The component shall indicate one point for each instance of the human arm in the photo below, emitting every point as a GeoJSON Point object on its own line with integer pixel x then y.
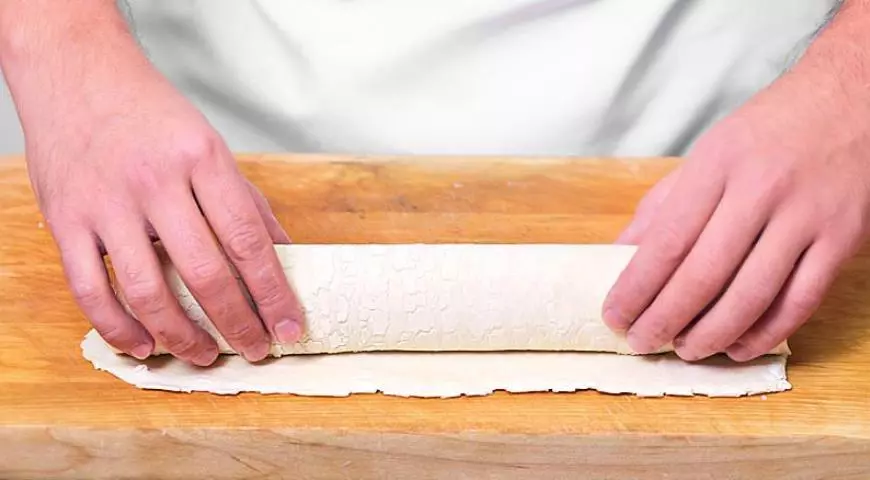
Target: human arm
{"type": "Point", "coordinates": [737, 248]}
{"type": "Point", "coordinates": [117, 158]}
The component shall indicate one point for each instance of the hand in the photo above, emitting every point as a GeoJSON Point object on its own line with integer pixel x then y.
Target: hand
{"type": "Point", "coordinates": [133, 159]}
{"type": "Point", "coordinates": [737, 247]}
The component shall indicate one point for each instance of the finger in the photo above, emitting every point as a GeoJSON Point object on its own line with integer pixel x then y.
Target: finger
{"type": "Point", "coordinates": [647, 208]}
{"type": "Point", "coordinates": [753, 289]}
{"type": "Point", "coordinates": [276, 231]}
{"type": "Point", "coordinates": [233, 215]}
{"type": "Point", "coordinates": [706, 270]}
{"type": "Point", "coordinates": [206, 272]}
{"type": "Point", "coordinates": [89, 282]}
{"type": "Point", "coordinates": [801, 295]}
{"type": "Point", "coordinates": [673, 232]}
{"type": "Point", "coordinates": [143, 288]}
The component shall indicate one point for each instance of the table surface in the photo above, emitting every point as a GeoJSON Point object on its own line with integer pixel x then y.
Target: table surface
{"type": "Point", "coordinates": [61, 418]}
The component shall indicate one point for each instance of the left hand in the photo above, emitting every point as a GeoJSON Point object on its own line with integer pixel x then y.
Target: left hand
{"type": "Point", "coordinates": [738, 246]}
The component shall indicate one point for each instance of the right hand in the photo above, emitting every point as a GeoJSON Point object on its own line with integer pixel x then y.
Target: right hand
{"type": "Point", "coordinates": [126, 158]}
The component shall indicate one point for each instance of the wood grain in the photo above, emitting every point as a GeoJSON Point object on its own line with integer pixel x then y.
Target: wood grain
{"type": "Point", "coordinates": [61, 419]}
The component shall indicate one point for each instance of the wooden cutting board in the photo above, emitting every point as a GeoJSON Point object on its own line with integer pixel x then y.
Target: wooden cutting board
{"type": "Point", "coordinates": [61, 419]}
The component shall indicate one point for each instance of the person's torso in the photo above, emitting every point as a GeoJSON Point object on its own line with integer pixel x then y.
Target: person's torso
{"type": "Point", "coordinates": [514, 77]}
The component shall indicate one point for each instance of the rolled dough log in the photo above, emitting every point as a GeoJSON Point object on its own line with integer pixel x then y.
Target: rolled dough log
{"type": "Point", "coordinates": [445, 297]}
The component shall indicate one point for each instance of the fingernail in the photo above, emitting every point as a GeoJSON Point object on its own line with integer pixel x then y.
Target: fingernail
{"type": "Point", "coordinates": [637, 343]}
{"type": "Point", "coordinates": [684, 353]}
{"type": "Point", "coordinates": [258, 351]}
{"type": "Point", "coordinates": [688, 356]}
{"type": "Point", "coordinates": [615, 318]}
{"type": "Point", "coordinates": [206, 357]}
{"type": "Point", "coordinates": [738, 352]}
{"type": "Point", "coordinates": [141, 351]}
{"type": "Point", "coordinates": [288, 331]}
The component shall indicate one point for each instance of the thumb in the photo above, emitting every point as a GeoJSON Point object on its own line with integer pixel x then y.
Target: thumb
{"type": "Point", "coordinates": [647, 209]}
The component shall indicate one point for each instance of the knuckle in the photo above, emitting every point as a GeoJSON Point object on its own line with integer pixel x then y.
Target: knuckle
{"type": "Point", "coordinates": [707, 285]}
{"type": "Point", "coordinates": [178, 343]}
{"type": "Point", "coordinates": [807, 299]}
{"type": "Point", "coordinates": [779, 179]}
{"type": "Point", "coordinates": [145, 297]}
{"type": "Point", "coordinates": [208, 277]}
{"type": "Point", "coordinates": [242, 333]}
{"type": "Point", "coordinates": [197, 146]}
{"type": "Point", "coordinates": [245, 242]}
{"type": "Point", "coordinates": [754, 298]}
{"type": "Point", "coordinates": [271, 293]}
{"type": "Point", "coordinates": [117, 336]}
{"type": "Point", "coordinates": [185, 347]}
{"type": "Point", "coordinates": [672, 244]}
{"type": "Point", "coordinates": [144, 175]}
{"type": "Point", "coordinates": [88, 294]}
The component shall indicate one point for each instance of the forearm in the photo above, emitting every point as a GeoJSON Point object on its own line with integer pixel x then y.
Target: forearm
{"type": "Point", "coordinates": [51, 50]}
{"type": "Point", "coordinates": [835, 69]}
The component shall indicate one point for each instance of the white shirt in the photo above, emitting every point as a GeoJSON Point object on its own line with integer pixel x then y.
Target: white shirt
{"type": "Point", "coordinates": [512, 77]}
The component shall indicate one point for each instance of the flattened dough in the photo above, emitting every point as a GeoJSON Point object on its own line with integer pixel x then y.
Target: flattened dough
{"type": "Point", "coordinates": [449, 374]}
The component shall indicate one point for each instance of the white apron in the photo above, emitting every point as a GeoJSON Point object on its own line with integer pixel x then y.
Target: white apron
{"type": "Point", "coordinates": [514, 77]}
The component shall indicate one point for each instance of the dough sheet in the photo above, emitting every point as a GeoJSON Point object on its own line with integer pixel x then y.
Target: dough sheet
{"type": "Point", "coordinates": [448, 374]}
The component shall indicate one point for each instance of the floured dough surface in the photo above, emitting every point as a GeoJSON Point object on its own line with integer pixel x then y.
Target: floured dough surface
{"type": "Point", "coordinates": [446, 297]}
{"type": "Point", "coordinates": [448, 374]}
